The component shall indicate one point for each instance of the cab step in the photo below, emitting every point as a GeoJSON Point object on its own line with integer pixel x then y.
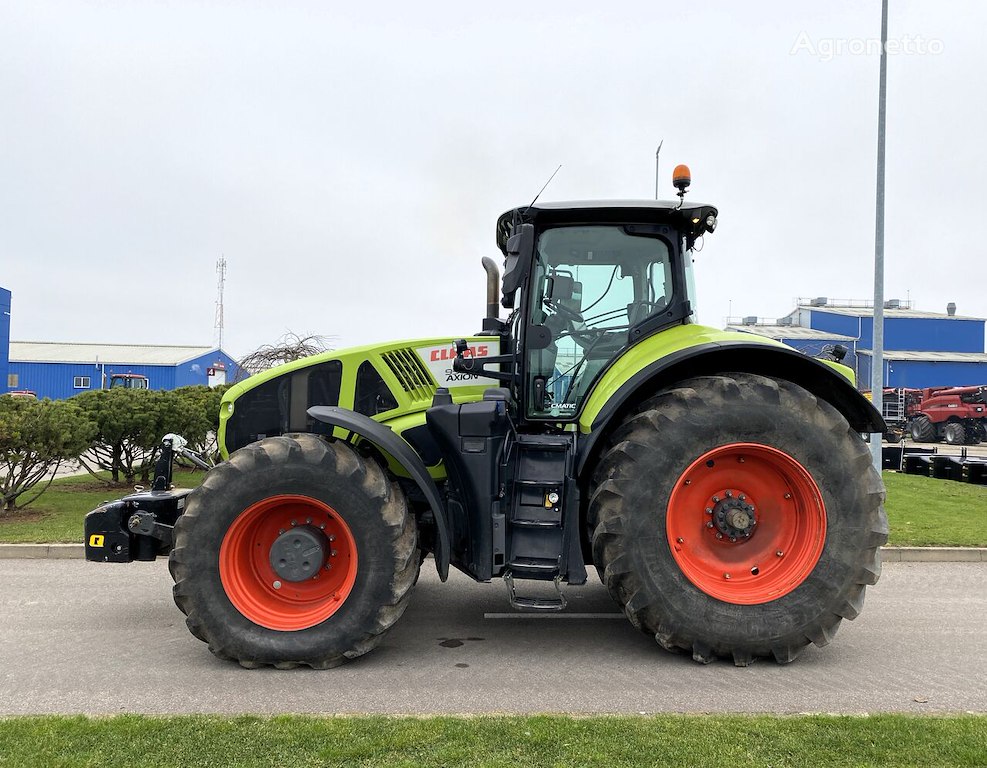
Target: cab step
{"type": "Point", "coordinates": [521, 603]}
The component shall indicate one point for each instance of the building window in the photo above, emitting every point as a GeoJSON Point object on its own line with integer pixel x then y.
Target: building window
{"type": "Point", "coordinates": [12, 380]}
{"type": "Point", "coordinates": [81, 382]}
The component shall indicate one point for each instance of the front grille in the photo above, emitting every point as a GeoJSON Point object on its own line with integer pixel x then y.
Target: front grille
{"type": "Point", "coordinates": [411, 372]}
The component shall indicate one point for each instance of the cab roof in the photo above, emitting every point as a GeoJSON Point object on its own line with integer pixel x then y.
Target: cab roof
{"type": "Point", "coordinates": [690, 218]}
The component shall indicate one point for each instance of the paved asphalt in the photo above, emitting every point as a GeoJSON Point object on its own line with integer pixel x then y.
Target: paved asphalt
{"type": "Point", "coordinates": [79, 637]}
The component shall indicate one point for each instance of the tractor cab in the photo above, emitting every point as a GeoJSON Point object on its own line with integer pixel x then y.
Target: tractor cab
{"type": "Point", "coordinates": [128, 381]}
{"type": "Point", "coordinates": [587, 280]}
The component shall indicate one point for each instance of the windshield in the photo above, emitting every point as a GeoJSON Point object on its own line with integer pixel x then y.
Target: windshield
{"type": "Point", "coordinates": [591, 285]}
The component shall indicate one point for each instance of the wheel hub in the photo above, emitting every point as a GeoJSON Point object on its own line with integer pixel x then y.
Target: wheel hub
{"type": "Point", "coordinates": [299, 553]}
{"type": "Point", "coordinates": [733, 516]}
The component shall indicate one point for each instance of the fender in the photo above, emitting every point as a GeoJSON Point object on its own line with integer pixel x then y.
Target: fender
{"type": "Point", "coordinates": [716, 357]}
{"type": "Point", "coordinates": [385, 440]}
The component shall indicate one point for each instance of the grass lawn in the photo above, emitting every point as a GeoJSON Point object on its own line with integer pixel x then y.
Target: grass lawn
{"type": "Point", "coordinates": [57, 516]}
{"type": "Point", "coordinates": [681, 740]}
{"type": "Point", "coordinates": [925, 512]}
{"type": "Point", "coordinates": [921, 511]}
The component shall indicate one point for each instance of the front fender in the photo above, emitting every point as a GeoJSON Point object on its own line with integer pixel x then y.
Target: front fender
{"type": "Point", "coordinates": [382, 438]}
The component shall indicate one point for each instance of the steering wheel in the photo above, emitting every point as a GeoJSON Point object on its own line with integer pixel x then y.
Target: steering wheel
{"type": "Point", "coordinates": [568, 313]}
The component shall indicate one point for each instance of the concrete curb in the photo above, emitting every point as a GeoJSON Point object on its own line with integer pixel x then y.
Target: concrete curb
{"type": "Point", "coordinates": [934, 554]}
{"type": "Point", "coordinates": [890, 554]}
{"type": "Point", "coordinates": [42, 551]}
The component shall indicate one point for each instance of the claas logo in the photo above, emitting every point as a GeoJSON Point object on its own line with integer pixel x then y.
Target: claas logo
{"type": "Point", "coordinates": [449, 353]}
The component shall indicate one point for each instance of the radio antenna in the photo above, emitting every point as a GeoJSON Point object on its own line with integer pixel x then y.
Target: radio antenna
{"type": "Point", "coordinates": [221, 271]}
{"type": "Point", "coordinates": [543, 188]}
{"type": "Point", "coordinates": [657, 156]}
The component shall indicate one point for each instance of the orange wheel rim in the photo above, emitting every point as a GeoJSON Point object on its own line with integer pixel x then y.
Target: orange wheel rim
{"type": "Point", "coordinates": [746, 523]}
{"type": "Point", "coordinates": [266, 597]}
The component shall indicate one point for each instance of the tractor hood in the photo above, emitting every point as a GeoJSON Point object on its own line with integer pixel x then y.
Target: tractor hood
{"type": "Point", "coordinates": [383, 381]}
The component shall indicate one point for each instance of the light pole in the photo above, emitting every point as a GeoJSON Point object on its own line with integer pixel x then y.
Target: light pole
{"type": "Point", "coordinates": [877, 345]}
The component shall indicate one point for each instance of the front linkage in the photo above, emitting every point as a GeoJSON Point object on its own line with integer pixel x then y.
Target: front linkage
{"type": "Point", "coordinates": [140, 526]}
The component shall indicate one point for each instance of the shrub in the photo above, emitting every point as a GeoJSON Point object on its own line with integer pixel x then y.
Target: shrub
{"type": "Point", "coordinates": [35, 438]}
{"type": "Point", "coordinates": [129, 426]}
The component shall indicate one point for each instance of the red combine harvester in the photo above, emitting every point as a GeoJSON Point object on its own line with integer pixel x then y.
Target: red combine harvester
{"type": "Point", "coordinates": [955, 415]}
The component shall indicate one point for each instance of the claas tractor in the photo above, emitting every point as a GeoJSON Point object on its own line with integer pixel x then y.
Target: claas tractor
{"type": "Point", "coordinates": [716, 481]}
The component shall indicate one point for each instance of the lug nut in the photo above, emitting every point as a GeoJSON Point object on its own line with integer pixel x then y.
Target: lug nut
{"type": "Point", "coordinates": [709, 510]}
{"type": "Point", "coordinates": [742, 497]}
{"type": "Point", "coordinates": [726, 576]}
{"type": "Point", "coordinates": [779, 553]}
{"type": "Point", "coordinates": [332, 538]}
{"type": "Point", "coordinates": [276, 585]}
{"type": "Point", "coordinates": [308, 521]}
{"type": "Point", "coordinates": [740, 459]}
{"type": "Point", "coordinates": [733, 538]}
{"type": "Point", "coordinates": [709, 524]}
{"type": "Point", "coordinates": [688, 482]}
{"type": "Point", "coordinates": [332, 553]}
{"type": "Point", "coordinates": [280, 531]}
{"type": "Point", "coordinates": [680, 539]}
{"type": "Point", "coordinates": [788, 495]}
{"type": "Point", "coordinates": [294, 523]}
{"type": "Point", "coordinates": [719, 535]}
{"type": "Point", "coordinates": [322, 527]}
{"type": "Point", "coordinates": [715, 499]}
{"type": "Point", "coordinates": [729, 494]}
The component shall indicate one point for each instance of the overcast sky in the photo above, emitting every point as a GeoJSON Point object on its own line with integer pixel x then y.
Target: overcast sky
{"type": "Point", "coordinates": [350, 160]}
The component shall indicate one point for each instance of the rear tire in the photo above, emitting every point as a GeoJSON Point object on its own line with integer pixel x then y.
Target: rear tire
{"type": "Point", "coordinates": [225, 581]}
{"type": "Point", "coordinates": [954, 433]}
{"type": "Point", "coordinates": [812, 492]}
{"type": "Point", "coordinates": [923, 430]}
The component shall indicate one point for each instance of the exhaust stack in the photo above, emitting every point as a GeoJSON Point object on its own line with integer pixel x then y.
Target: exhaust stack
{"type": "Point", "coordinates": [493, 288]}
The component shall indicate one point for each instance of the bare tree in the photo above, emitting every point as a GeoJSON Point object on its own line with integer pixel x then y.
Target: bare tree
{"type": "Point", "coordinates": [289, 347]}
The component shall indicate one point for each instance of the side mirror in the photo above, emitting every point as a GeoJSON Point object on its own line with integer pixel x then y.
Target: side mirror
{"type": "Point", "coordinates": [562, 287]}
{"type": "Point", "coordinates": [517, 265]}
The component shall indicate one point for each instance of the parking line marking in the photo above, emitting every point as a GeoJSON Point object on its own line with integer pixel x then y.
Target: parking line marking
{"type": "Point", "coordinates": [553, 616]}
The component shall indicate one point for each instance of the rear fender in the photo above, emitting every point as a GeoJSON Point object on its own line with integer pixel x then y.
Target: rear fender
{"type": "Point", "coordinates": [712, 358]}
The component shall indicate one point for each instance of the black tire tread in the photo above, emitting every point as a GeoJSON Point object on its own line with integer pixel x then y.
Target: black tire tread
{"type": "Point", "coordinates": [363, 473]}
{"type": "Point", "coordinates": [643, 433]}
{"type": "Point", "coordinates": [956, 431]}
{"type": "Point", "coordinates": [922, 429]}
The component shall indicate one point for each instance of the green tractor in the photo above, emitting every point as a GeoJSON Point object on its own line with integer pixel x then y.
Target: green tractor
{"type": "Point", "coordinates": [717, 481]}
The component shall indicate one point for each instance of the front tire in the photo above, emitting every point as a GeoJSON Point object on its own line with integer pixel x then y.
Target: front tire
{"type": "Point", "coordinates": [923, 430]}
{"type": "Point", "coordinates": [954, 433]}
{"type": "Point", "coordinates": [295, 551]}
{"type": "Point", "coordinates": [737, 516]}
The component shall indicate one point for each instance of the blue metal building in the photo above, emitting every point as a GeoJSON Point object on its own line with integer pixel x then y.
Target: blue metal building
{"type": "Point", "coordinates": [59, 370]}
{"type": "Point", "coordinates": [4, 337]}
{"type": "Point", "coordinates": [921, 349]}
